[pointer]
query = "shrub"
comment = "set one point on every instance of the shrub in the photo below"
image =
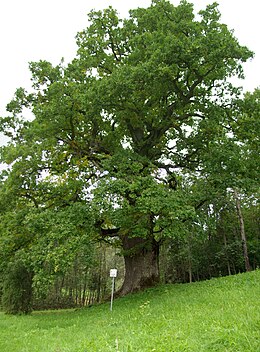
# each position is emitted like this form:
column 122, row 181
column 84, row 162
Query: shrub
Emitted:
column 17, row 289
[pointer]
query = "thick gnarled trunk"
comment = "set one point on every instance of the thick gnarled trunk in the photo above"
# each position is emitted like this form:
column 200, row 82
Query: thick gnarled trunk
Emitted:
column 141, row 264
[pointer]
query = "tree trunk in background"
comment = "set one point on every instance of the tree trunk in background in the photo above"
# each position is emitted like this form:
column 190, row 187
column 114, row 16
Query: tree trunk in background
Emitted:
column 189, row 261
column 242, row 231
column 141, row 264
column 226, row 253
column 190, row 272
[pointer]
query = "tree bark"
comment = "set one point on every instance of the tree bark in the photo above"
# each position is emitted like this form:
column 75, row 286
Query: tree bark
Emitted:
column 141, row 258
column 242, row 231
column 189, row 261
column 226, row 253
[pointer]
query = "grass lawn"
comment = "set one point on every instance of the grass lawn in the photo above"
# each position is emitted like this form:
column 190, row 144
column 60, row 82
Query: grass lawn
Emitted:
column 217, row 315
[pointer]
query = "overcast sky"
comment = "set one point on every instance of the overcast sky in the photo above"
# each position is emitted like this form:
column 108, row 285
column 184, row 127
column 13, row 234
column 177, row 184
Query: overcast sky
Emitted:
column 32, row 30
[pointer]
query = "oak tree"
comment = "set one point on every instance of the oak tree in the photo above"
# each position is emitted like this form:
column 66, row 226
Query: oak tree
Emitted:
column 143, row 104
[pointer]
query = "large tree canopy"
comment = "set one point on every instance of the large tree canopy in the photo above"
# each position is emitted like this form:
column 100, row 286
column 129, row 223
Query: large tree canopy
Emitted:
column 144, row 105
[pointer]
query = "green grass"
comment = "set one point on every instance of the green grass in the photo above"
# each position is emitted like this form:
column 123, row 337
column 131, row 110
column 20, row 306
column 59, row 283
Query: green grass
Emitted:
column 217, row 315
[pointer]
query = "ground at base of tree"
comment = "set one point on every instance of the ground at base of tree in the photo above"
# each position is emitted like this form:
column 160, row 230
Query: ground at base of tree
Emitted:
column 217, row 315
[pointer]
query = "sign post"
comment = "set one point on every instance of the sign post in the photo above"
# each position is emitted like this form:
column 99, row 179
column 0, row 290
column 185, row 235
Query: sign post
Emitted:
column 113, row 275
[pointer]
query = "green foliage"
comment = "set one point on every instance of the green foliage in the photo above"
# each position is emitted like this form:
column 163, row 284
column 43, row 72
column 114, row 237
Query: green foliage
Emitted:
column 125, row 136
column 216, row 315
column 17, row 289
column 211, row 246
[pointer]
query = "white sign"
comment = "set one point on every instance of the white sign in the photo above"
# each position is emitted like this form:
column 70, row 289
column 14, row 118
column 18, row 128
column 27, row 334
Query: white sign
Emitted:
column 113, row 272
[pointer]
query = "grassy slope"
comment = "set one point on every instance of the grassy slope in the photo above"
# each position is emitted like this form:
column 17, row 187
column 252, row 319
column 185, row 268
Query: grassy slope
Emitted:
column 217, row 315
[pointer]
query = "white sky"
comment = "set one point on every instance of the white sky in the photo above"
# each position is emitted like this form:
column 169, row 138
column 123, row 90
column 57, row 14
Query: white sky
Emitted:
column 33, row 30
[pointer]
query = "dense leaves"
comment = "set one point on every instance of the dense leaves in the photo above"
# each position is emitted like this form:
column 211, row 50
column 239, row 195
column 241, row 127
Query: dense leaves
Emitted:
column 130, row 139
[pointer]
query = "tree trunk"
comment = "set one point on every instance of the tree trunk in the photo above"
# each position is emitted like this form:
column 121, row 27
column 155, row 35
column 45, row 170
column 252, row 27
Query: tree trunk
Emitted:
column 226, row 252
column 189, row 261
column 242, row 231
column 190, row 272
column 141, row 258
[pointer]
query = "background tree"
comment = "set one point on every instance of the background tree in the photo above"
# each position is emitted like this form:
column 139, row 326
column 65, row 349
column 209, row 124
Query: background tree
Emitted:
column 145, row 102
column 17, row 289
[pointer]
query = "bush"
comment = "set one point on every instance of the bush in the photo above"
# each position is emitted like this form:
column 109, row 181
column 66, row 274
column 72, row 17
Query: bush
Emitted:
column 17, row 289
